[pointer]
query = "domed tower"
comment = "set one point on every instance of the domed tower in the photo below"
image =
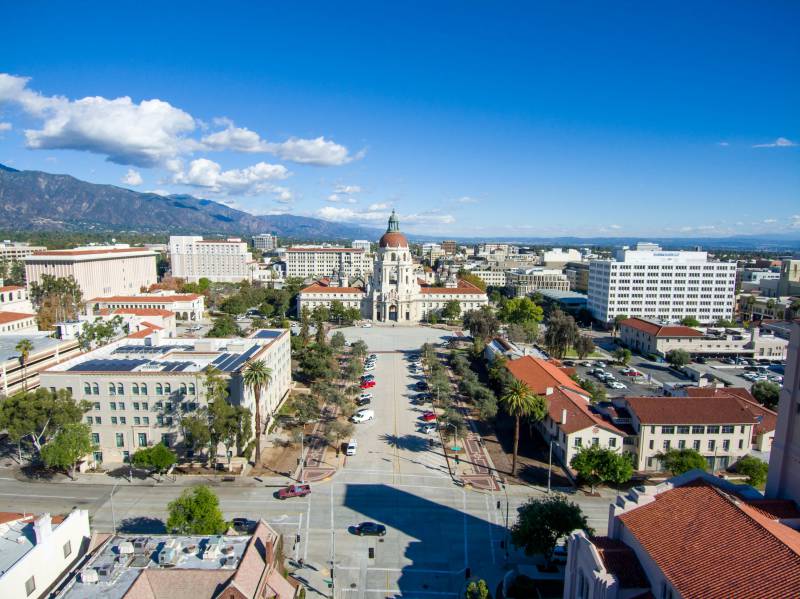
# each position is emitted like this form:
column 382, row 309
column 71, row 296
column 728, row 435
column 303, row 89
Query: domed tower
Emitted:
column 394, row 284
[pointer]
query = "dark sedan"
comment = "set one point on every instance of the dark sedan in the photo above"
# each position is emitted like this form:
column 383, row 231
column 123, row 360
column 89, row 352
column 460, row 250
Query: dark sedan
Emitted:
column 370, row 529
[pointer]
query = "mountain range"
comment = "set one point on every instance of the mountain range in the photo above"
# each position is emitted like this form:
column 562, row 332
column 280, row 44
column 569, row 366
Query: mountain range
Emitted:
column 39, row 201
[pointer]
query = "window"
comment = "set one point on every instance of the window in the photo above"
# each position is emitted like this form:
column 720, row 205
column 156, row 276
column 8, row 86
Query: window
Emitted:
column 98, row 420
column 112, row 389
column 120, row 439
column 741, row 443
column 727, row 430
column 95, row 389
column 698, row 430
column 87, row 389
column 30, row 586
column 683, row 430
column 165, row 439
column 652, row 444
column 183, row 389
column 712, row 430
column 159, row 389
column 726, row 445
column 667, row 430
column 121, row 405
column 191, row 389
column 96, row 438
column 612, row 442
column 145, row 406
column 113, row 420
column 142, row 439
column 97, row 405
column 136, row 405
column 712, row 444
column 578, row 441
column 135, row 389
column 146, row 420
column 123, row 420
column 696, row 444
column 67, row 549
column 167, row 388
column 143, row 388
column 120, row 389
column 136, row 420
column 666, row 444
column 113, row 406
column 682, row 444
column 595, row 441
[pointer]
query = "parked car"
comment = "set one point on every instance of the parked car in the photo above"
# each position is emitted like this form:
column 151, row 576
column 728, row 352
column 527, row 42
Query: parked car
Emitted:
column 368, row 377
column 365, row 396
column 700, row 360
column 428, row 417
column 369, row 368
column 367, row 384
column 366, row 325
column 294, row 491
column 363, row 401
column 617, row 385
column 352, row 447
column 373, row 356
column 428, row 429
column 362, row 416
column 243, row 525
column 422, row 385
column 370, row 529
column 600, row 364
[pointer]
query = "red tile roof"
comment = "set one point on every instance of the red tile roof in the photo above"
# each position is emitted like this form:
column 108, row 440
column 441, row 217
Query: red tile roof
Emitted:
column 145, row 312
column 323, row 286
column 540, row 374
column 146, row 299
column 767, row 419
column 463, row 287
column 10, row 288
column 621, row 561
column 660, row 330
column 393, row 239
column 690, row 410
column 710, row 545
column 144, row 332
column 332, row 250
column 776, row 509
column 6, row 317
column 89, row 252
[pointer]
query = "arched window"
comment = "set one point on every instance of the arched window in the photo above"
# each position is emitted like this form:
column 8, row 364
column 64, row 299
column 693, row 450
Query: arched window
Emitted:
column 192, row 390
column 112, row 389
column 183, row 388
column 167, row 388
column 95, row 389
column 394, row 256
column 135, row 389
column 143, row 388
column 87, row 389
column 159, row 389
column 120, row 389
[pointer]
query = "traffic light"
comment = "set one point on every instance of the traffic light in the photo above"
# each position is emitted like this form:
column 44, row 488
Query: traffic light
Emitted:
column 371, row 553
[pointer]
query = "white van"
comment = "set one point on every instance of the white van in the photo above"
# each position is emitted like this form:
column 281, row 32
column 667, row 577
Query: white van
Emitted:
column 362, row 416
column 352, row 446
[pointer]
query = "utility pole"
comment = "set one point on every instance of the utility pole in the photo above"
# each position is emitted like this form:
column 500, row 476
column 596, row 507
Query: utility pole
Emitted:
column 549, row 466
column 113, row 514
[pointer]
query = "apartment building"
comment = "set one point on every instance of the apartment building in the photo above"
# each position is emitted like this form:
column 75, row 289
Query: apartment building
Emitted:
column 492, row 278
column 432, row 252
column 222, row 260
column 186, row 306
column 572, row 422
column 266, row 242
column 327, row 261
column 649, row 337
column 46, row 352
column 524, row 281
column 449, row 246
column 153, row 566
column 15, row 251
column 100, row 270
column 695, row 535
column 37, row 551
column 142, row 385
column 649, row 282
column 578, row 276
column 760, row 307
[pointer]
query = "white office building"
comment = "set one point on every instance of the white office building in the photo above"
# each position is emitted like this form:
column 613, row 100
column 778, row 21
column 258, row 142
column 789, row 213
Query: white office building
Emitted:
column 362, row 244
column 524, row 281
column 222, row 260
column 649, row 282
column 327, row 261
column 265, row 242
column 14, row 251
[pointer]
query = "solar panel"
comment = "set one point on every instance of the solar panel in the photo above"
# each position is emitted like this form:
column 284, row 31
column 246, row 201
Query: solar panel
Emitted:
column 240, row 359
column 115, row 365
column 267, row 334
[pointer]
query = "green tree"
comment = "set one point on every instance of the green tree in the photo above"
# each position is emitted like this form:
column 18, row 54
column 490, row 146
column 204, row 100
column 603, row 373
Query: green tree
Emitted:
column 158, row 457
column 678, row 461
column 56, row 299
column 482, row 323
column 543, row 521
column 754, row 469
column 724, row 323
column 24, row 347
column 451, row 310
column 561, row 333
column 597, row 391
column 520, row 310
column 467, row 276
column 584, row 346
column 618, row 320
column 690, row 321
column 257, row 377
column 358, row 349
column 623, row 355
column 678, row 358
column 337, row 340
column 337, row 431
column 71, row 443
column 596, row 465
column 767, row 393
column 305, row 324
column 520, row 402
column 477, row 590
column 196, row 431
column 224, row 326
column 100, row 332
column 196, row 512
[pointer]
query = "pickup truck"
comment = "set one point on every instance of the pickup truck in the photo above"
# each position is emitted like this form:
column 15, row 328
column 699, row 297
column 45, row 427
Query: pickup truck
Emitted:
column 294, row 491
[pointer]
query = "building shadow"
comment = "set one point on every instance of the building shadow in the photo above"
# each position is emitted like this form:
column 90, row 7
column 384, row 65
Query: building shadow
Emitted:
column 142, row 525
column 444, row 545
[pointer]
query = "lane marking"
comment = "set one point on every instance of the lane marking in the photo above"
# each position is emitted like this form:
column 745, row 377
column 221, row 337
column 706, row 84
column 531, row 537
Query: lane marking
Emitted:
column 50, row 496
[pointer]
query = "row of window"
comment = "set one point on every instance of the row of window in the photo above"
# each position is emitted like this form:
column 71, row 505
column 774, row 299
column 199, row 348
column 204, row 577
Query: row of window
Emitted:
column 711, row 444
column 136, row 420
column 188, row 406
column 697, row 429
column 139, row 389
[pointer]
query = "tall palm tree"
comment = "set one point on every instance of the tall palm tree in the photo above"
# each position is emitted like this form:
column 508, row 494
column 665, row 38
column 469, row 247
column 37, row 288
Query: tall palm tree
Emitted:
column 24, row 347
column 519, row 401
column 257, row 377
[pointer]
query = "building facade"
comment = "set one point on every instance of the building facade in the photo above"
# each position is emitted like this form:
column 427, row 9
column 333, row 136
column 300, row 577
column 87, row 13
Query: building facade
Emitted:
column 222, row 260
column 266, row 242
column 98, row 271
column 186, row 306
column 141, row 386
column 492, row 278
column 664, row 285
column 327, row 261
column 525, row 281
column 17, row 323
column 362, row 244
column 46, row 352
column 16, row 251
column 558, row 257
column 14, row 298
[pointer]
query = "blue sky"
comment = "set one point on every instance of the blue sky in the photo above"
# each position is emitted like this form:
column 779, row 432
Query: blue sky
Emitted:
column 469, row 118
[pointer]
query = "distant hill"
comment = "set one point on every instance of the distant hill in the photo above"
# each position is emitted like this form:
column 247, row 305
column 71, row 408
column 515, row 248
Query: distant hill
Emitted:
column 36, row 200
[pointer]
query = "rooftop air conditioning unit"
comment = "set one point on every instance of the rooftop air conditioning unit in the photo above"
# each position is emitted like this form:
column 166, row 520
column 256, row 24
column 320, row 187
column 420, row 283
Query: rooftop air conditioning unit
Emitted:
column 168, row 557
column 125, row 548
column 89, row 576
column 139, row 545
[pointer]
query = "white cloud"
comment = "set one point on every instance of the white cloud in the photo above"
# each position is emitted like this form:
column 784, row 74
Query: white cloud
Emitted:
column 335, row 198
column 467, row 200
column 337, row 213
column 770, row 221
column 781, row 142
column 5, row 126
column 209, row 175
column 614, row 226
column 373, row 207
column 239, row 139
column 160, row 192
column 380, row 213
column 723, row 144
column 282, row 194
column 795, row 221
column 347, row 189
column 132, row 177
column 143, row 134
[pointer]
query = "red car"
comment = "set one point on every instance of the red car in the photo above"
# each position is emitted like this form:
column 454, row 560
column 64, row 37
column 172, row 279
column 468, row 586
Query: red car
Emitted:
column 294, row 491
column 428, row 417
column 367, row 384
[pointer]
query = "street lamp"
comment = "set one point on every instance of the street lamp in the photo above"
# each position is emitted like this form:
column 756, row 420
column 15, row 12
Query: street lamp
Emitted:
column 455, row 446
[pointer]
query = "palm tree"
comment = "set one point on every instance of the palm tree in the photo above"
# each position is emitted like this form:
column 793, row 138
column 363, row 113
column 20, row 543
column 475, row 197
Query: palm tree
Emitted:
column 24, row 347
column 519, row 401
column 257, row 376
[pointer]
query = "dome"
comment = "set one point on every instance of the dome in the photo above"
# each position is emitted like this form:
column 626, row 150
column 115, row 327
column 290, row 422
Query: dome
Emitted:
column 393, row 238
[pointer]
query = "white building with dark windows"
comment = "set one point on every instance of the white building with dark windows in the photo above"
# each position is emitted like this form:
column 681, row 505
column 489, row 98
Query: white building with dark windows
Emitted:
column 223, row 260
column 395, row 292
column 142, row 385
column 266, row 242
column 649, row 282
column 327, row 261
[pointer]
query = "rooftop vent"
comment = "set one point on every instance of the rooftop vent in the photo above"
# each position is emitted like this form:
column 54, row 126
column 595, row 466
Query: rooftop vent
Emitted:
column 125, row 548
column 89, row 576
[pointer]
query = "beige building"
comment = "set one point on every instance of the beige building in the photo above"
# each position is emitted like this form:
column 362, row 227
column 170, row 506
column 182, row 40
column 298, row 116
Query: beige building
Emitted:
column 15, row 251
column 492, row 277
column 14, row 298
column 223, row 260
column 186, row 306
column 649, row 337
column 16, row 323
column 558, row 257
column 578, row 276
column 46, row 352
column 326, row 291
column 98, row 270
column 525, row 281
column 327, row 261
column 142, row 385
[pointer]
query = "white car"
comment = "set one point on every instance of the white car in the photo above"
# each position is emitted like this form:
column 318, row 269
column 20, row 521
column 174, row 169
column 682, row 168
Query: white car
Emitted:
column 617, row 385
column 428, row 429
column 362, row 416
column 369, row 368
column 366, row 325
column 352, row 447
column 365, row 396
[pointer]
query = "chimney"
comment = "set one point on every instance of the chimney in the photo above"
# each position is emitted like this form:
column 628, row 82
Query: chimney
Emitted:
column 564, row 416
column 548, row 391
column 43, row 528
